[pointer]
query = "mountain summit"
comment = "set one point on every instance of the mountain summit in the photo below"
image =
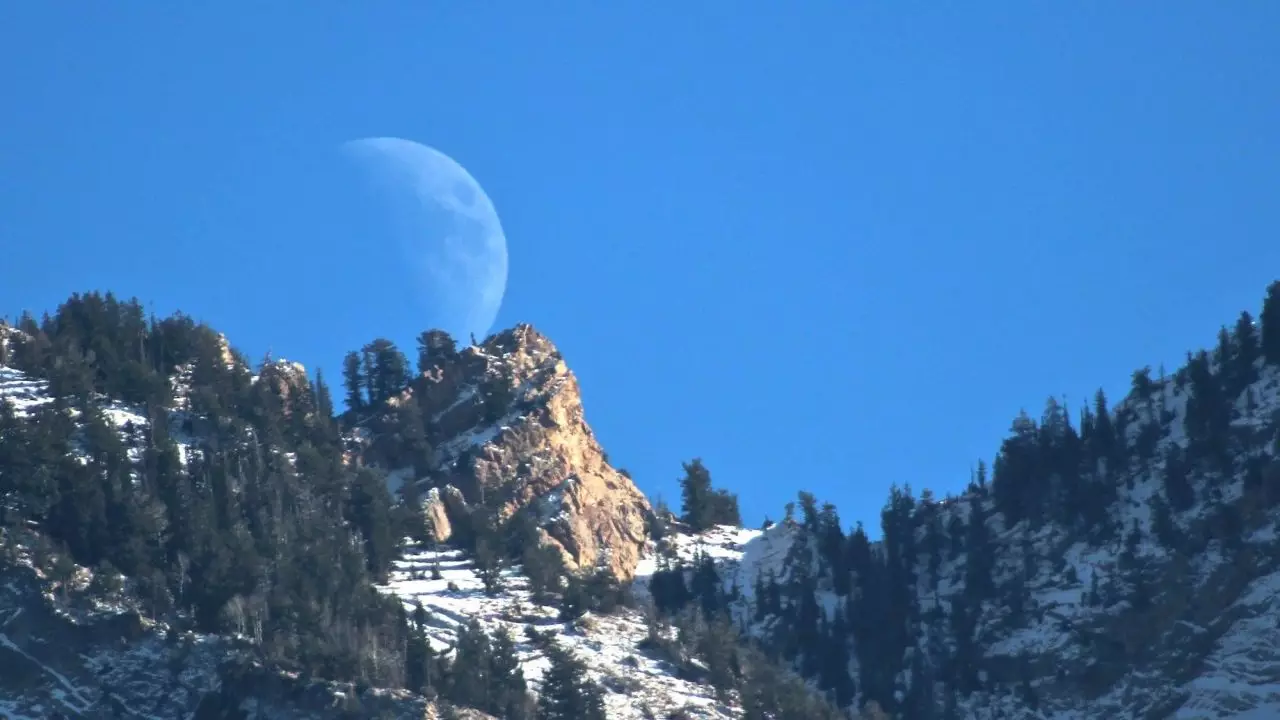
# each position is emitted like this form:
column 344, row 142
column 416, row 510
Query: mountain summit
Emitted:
column 507, row 430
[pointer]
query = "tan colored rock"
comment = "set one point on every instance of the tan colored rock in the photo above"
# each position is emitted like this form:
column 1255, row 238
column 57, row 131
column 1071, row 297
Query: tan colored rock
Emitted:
column 286, row 379
column 511, row 434
column 436, row 516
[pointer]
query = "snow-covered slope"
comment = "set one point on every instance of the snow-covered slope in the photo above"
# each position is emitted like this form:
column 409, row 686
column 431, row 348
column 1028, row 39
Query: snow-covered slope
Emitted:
column 638, row 684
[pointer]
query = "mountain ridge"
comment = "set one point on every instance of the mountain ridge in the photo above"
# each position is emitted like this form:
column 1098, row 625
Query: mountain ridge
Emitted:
column 1122, row 564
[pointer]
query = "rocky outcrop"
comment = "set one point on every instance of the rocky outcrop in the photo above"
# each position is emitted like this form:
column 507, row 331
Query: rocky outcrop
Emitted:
column 440, row 509
column 288, row 380
column 507, row 421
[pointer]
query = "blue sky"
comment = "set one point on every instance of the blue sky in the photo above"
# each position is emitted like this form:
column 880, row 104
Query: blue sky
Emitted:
column 822, row 245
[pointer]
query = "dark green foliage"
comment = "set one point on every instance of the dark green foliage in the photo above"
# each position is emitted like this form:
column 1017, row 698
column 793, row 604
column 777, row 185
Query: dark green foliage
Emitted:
column 659, row 521
column 1177, row 481
column 240, row 537
column 399, row 437
column 509, row 696
column 718, row 648
column 1241, row 370
column 489, row 566
column 669, row 590
column 1163, row 525
column 704, row 506
column 434, row 348
column 1208, row 416
column 1270, row 320
column 423, row 669
column 353, row 381
column 469, row 676
column 568, row 693
column 769, row 693
column 1142, row 385
column 596, row 591
column 386, row 371
column 978, row 583
column 544, row 567
column 369, row 510
column 486, row 674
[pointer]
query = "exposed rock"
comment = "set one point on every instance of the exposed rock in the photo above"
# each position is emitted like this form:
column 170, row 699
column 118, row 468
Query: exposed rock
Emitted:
column 508, row 424
column 436, row 517
column 287, row 380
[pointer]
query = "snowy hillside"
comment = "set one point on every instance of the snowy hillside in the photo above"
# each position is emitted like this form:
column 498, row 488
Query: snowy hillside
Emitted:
column 1203, row 643
column 638, row 684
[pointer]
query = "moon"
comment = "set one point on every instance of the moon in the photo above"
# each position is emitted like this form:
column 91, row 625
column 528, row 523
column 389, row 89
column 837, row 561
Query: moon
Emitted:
column 448, row 231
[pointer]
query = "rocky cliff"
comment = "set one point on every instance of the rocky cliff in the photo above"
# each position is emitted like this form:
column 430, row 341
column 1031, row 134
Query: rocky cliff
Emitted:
column 506, row 422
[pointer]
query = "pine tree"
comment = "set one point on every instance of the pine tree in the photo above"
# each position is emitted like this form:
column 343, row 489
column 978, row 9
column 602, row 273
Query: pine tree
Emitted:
column 568, row 693
column 1163, row 525
column 1142, row 386
column 1177, row 482
column 470, row 678
column 489, row 559
column 434, row 347
column 353, row 381
column 978, row 584
column 421, row 674
column 704, row 506
column 544, row 567
column 509, row 693
column 1103, row 435
column 386, row 370
column 718, row 650
column 1247, row 352
column 1270, row 320
column 706, row 585
column 370, row 512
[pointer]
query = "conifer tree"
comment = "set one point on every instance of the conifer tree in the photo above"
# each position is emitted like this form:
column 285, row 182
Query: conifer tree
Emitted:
column 978, row 583
column 353, row 381
column 703, row 505
column 370, row 512
column 1177, row 484
column 544, row 567
column 421, row 675
column 489, row 561
column 434, row 346
column 1270, row 320
column 1141, row 384
column 509, row 693
column 568, row 693
column 1247, row 352
column 471, row 681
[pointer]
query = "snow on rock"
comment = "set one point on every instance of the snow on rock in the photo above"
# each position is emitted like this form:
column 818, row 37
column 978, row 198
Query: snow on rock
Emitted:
column 26, row 396
column 638, row 684
column 23, row 394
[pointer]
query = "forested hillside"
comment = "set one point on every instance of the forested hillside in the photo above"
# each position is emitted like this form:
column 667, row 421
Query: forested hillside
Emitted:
column 1112, row 561
column 455, row 532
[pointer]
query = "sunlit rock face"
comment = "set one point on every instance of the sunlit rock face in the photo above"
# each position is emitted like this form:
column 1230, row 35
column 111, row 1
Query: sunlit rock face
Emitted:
column 509, row 432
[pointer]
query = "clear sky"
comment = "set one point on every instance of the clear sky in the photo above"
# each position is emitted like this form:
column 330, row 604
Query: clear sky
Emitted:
column 823, row 245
